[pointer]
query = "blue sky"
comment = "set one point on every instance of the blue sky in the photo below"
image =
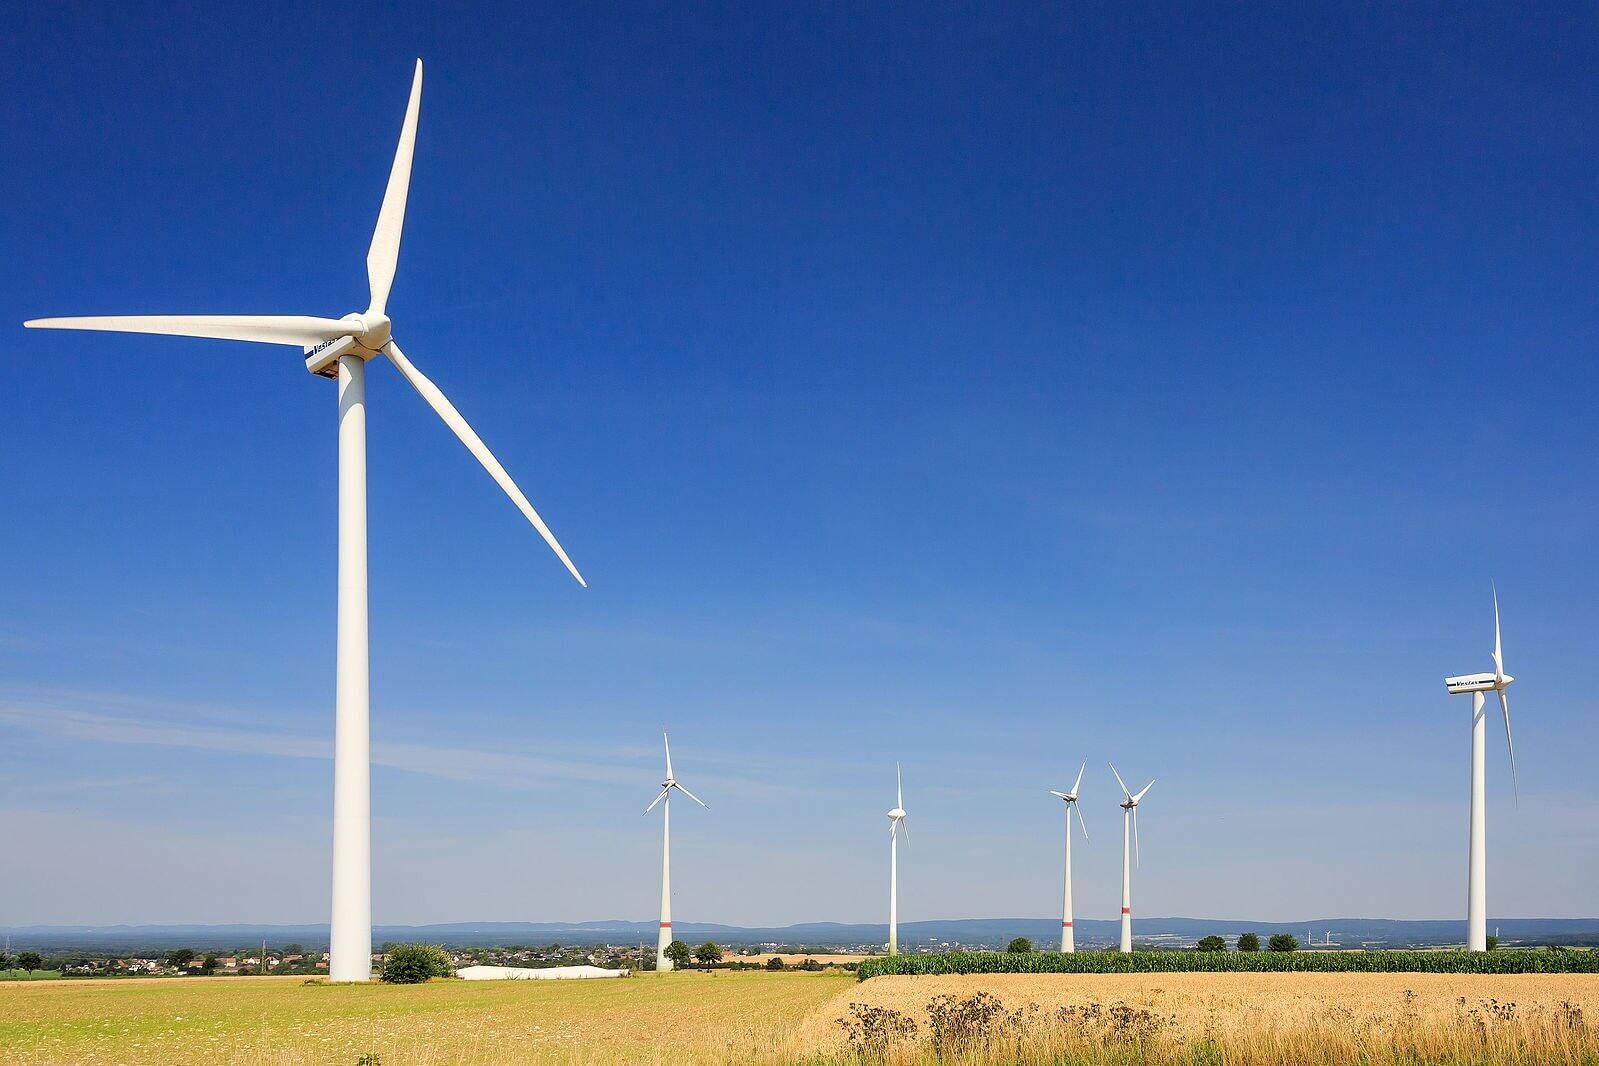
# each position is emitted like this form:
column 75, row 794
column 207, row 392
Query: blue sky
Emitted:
column 989, row 391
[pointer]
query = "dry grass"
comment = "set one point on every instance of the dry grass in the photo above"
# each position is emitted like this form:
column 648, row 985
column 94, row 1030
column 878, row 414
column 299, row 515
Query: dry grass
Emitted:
column 1237, row 1018
column 789, row 1018
column 681, row 1017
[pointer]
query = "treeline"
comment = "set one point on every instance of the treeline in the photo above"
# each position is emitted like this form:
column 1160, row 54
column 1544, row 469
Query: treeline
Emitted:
column 1536, row 960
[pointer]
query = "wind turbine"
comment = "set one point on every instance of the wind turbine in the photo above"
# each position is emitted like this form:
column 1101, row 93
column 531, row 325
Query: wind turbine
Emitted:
column 1477, row 850
column 896, row 818
column 1067, row 942
column 664, row 936
column 1129, row 808
column 338, row 348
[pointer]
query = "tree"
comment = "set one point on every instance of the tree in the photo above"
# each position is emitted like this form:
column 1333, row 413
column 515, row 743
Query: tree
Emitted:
column 678, row 953
column 209, row 964
column 1282, row 942
column 411, row 964
column 180, row 958
column 1493, row 942
column 30, row 961
column 293, row 949
column 774, row 963
column 1248, row 942
column 1211, row 943
column 5, row 961
column 1020, row 946
column 708, row 954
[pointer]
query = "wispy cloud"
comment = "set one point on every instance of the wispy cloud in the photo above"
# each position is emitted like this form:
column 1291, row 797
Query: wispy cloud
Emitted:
column 511, row 769
column 107, row 718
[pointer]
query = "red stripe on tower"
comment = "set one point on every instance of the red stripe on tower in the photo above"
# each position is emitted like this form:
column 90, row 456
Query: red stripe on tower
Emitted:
column 666, row 925
column 1065, row 925
column 1127, row 910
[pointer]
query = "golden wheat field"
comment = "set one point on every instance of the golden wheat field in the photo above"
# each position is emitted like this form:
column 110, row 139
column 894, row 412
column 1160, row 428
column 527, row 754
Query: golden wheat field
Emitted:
column 786, row 1019
column 1211, row 1018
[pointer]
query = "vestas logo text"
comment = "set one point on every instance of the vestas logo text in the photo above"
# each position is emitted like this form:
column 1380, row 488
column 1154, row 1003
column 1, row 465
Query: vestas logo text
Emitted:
column 324, row 344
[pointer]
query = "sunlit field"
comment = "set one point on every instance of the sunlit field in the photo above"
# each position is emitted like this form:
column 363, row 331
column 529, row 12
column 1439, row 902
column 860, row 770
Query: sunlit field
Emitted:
column 1373, row 1018
column 696, row 1017
column 795, row 1018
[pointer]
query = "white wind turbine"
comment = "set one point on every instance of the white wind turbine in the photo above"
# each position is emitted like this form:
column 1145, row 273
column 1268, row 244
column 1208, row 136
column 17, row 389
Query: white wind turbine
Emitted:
column 1129, row 808
column 664, row 936
column 896, row 818
column 1067, row 940
column 339, row 349
column 1477, row 849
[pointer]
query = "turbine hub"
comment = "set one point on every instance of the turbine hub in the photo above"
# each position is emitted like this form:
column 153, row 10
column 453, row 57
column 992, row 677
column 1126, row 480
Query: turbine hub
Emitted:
column 376, row 330
column 896, row 814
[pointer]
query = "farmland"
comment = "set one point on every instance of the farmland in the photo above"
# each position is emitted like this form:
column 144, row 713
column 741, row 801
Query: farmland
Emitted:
column 793, row 1018
column 271, row 1021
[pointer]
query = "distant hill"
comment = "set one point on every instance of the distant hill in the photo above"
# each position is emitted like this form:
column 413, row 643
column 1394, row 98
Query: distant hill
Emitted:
column 969, row 932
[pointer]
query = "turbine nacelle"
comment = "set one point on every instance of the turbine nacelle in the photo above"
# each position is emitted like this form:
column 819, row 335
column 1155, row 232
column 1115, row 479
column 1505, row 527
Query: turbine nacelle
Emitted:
column 896, row 814
column 1497, row 681
column 369, row 332
column 1483, row 682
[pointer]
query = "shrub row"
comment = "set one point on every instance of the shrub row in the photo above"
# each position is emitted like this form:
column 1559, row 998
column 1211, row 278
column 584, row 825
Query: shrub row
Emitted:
column 1538, row 960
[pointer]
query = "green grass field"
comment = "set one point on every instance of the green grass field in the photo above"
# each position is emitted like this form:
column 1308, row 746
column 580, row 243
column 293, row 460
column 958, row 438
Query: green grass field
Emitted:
column 282, row 1021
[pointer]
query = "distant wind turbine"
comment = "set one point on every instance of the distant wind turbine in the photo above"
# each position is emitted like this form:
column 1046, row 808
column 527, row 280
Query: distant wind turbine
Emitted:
column 896, row 819
column 1129, row 808
column 664, row 936
column 339, row 348
column 1477, row 848
column 1067, row 941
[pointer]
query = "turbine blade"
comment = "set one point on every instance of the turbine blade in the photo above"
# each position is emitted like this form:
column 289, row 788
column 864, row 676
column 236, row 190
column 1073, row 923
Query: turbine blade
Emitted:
column 1120, row 782
column 1141, row 794
column 903, row 825
column 1079, row 783
column 1062, row 795
column 1499, row 658
column 690, row 795
column 1504, row 707
column 658, row 799
column 1080, row 821
column 301, row 330
column 384, row 252
column 452, row 418
column 1137, row 858
column 899, row 789
column 667, row 741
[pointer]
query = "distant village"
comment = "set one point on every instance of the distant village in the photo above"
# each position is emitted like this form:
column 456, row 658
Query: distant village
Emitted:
column 295, row 960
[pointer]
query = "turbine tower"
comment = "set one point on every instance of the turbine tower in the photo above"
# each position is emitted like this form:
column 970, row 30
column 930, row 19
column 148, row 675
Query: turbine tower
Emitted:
column 339, row 349
column 1067, row 941
column 896, row 818
column 1129, row 843
column 664, row 936
column 1477, row 849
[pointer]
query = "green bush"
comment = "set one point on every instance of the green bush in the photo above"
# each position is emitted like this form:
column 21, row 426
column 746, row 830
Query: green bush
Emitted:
column 774, row 963
column 1282, row 942
column 1539, row 960
column 1248, row 941
column 1020, row 946
column 678, row 953
column 1211, row 943
column 411, row 964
